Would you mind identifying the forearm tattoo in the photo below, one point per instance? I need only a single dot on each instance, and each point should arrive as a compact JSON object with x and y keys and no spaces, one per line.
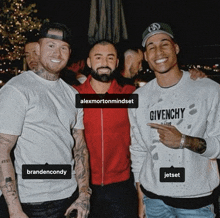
{"x":1,"y":172}
{"x":83,"y":203}
{"x":8,"y":188}
{"x":6,"y":161}
{"x":7,"y":175}
{"x":195,"y":144}
{"x":81,"y":159}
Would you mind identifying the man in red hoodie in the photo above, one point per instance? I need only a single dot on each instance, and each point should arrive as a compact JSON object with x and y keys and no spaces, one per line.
{"x":108,"y":139}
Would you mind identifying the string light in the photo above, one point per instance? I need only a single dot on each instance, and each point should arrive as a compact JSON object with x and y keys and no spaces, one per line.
{"x":17,"y":18}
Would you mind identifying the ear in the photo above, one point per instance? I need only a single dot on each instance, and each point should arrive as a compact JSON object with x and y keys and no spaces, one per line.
{"x":38,"y":49}
{"x":88,"y":62}
{"x":117,"y":62}
{"x":128,"y":59}
{"x":145,"y":56}
{"x":177,"y":48}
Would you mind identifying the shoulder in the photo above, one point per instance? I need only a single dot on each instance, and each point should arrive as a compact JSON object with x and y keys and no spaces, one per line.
{"x":148,"y":87}
{"x":209,"y":83}
{"x":204,"y":88}
{"x":121,"y":89}
{"x":25,"y":75}
{"x":21,"y":81}
{"x":69,"y":87}
{"x":128,"y":89}
{"x":202,"y":83}
{"x":209,"y":87}
{"x":16,"y":89}
{"x":80,"y":88}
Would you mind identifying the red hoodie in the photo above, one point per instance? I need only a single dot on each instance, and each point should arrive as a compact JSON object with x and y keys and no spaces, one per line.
{"x":107,"y":133}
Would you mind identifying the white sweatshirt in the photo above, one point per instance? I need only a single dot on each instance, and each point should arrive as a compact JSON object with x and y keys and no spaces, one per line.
{"x":193,"y":107}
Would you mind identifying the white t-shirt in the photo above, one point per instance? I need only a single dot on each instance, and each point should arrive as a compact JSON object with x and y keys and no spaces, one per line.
{"x":42,"y":113}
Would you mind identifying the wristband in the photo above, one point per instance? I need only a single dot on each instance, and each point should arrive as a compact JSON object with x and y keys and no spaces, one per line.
{"x":182,"y":142}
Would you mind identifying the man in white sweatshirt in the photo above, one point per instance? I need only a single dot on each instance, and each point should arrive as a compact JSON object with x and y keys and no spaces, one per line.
{"x":175,"y":137}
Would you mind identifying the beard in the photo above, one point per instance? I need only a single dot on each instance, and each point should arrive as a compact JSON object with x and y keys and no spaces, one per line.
{"x":103,"y":77}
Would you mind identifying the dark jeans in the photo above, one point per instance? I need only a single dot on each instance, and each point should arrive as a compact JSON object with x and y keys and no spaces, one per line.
{"x":3,"y":208}
{"x":118,"y":200}
{"x":48,"y":209}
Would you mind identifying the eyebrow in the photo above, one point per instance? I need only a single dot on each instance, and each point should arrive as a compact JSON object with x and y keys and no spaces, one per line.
{"x":161,"y":41}
{"x":51,"y":41}
{"x":98,"y":54}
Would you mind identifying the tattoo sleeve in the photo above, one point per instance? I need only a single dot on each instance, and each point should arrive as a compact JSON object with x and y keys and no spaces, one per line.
{"x":81,"y":157}
{"x":7,"y":174}
{"x":195,"y":144}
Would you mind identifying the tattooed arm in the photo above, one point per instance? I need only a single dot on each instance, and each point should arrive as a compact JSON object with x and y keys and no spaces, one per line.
{"x":195,"y":144}
{"x":7,"y":176}
{"x":81,"y":157}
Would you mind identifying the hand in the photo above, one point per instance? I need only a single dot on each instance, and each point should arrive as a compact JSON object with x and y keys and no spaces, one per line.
{"x":141,"y":206}
{"x":169,"y":135}
{"x":196,"y":73}
{"x":141,"y":209}
{"x":82,"y":205}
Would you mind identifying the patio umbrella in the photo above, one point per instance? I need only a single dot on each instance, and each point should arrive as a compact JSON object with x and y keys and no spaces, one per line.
{"x":107,"y":21}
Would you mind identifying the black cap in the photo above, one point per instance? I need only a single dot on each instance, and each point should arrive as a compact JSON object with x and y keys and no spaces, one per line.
{"x":156,"y":28}
{"x":66,"y":37}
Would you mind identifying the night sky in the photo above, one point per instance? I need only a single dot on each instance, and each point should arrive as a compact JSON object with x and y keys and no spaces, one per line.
{"x":195,"y":22}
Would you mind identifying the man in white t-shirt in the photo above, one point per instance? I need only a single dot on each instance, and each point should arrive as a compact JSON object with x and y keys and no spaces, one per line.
{"x":39,"y":118}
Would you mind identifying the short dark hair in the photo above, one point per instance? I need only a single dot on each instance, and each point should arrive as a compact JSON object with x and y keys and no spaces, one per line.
{"x":67,"y":35}
{"x":32,"y":36}
{"x":103,"y":42}
{"x":125,"y":46}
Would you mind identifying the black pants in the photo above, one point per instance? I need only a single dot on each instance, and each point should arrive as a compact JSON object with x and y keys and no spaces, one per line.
{"x":118,"y":200}
{"x":48,"y":209}
{"x":3,"y":208}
